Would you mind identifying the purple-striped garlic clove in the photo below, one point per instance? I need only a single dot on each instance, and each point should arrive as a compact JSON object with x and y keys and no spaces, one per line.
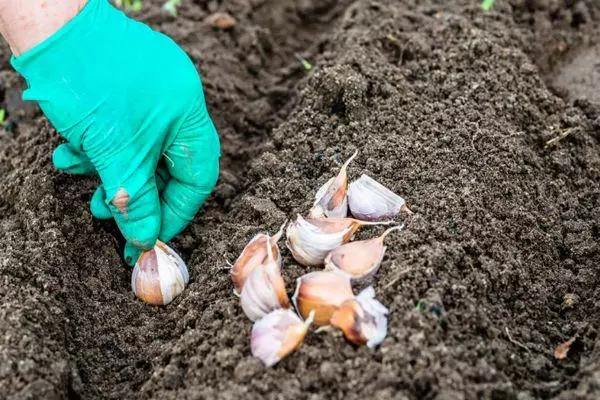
{"x":254,"y":255}
{"x":360,"y":259}
{"x":331,"y":199}
{"x":277,"y":334}
{"x":321,"y":292}
{"x":159,"y":275}
{"x":339,"y":224}
{"x":363,"y":319}
{"x":264,"y":289}
{"x":309,"y":244}
{"x":369,"y":200}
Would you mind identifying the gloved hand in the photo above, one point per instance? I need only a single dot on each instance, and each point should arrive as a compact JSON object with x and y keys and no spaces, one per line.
{"x":126,"y":98}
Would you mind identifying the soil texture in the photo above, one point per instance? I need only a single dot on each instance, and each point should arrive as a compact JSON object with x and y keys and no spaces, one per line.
{"x":488,"y":123}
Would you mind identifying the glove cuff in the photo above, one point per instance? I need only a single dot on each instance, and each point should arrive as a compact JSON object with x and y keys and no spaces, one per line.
{"x":34,"y":62}
{"x":57,"y":64}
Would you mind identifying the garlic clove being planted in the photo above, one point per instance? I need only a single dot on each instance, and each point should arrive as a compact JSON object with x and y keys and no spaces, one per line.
{"x":264,"y":289}
{"x":253,"y":255}
{"x":321,"y":292}
{"x":159,"y":275}
{"x":331,"y":199}
{"x":369,"y":200}
{"x":309,"y":244}
{"x":363,"y":319}
{"x":360,"y":259}
{"x":277,"y":334}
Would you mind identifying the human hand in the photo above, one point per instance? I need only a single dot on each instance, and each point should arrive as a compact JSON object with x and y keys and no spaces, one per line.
{"x":127,"y":98}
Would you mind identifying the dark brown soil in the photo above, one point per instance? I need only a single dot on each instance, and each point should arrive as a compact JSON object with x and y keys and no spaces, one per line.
{"x":449,"y":106}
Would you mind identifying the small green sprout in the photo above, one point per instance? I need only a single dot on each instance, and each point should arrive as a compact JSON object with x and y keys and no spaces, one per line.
{"x":130,"y":5}
{"x":2,"y":116}
{"x":171,"y":6}
{"x":305,"y":63}
{"x":486,"y":5}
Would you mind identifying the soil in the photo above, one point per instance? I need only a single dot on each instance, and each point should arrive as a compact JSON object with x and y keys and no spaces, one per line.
{"x":449,"y":106}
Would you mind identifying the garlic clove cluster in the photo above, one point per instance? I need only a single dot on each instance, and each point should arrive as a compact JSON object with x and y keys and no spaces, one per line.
{"x":331,"y":199}
{"x":363,"y":319}
{"x":360,"y":259}
{"x":369,"y":200}
{"x":277,"y":334}
{"x":321,"y":292}
{"x":264,"y":289}
{"x":159,"y":275}
{"x":254,"y":255}
{"x":309,"y":244}
{"x":321,"y":297}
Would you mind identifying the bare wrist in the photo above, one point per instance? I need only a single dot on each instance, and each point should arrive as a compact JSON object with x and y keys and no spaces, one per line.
{"x":26,"y":23}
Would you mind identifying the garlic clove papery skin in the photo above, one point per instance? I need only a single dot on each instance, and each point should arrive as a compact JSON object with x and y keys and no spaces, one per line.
{"x":253,"y":255}
{"x":363,"y":319}
{"x":277,"y":334}
{"x":264,"y":290}
{"x":369,"y":200}
{"x":360,"y":259}
{"x":309,"y":245}
{"x":159,"y":275}
{"x":331,"y":199}
{"x":321,"y":292}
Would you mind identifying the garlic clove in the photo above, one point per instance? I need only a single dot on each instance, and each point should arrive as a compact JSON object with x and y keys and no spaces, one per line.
{"x":159,"y":275}
{"x":363,"y":319}
{"x":277,"y":334}
{"x":253,"y":255}
{"x":309,"y":244}
{"x":360,"y":259}
{"x":331,"y":199}
{"x":369,"y":200}
{"x":321,"y":292}
{"x":338,"y":224}
{"x":264,"y":289}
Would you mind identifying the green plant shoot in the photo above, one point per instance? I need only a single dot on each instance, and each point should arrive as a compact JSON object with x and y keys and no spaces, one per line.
{"x":130,"y":5}
{"x":171,"y":6}
{"x":306,"y":64}
{"x":2,"y":116}
{"x":486,"y":5}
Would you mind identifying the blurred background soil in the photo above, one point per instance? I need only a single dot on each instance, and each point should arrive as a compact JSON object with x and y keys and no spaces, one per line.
{"x":449,"y":106}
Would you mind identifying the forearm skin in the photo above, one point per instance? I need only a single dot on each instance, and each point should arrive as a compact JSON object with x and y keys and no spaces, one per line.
{"x":26,"y":23}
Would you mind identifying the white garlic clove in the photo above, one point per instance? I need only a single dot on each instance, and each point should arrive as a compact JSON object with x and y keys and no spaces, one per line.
{"x":369,"y":200}
{"x":363,"y":319}
{"x":331,"y":199}
{"x":309,"y":244}
{"x":159,"y":275}
{"x":253,"y":255}
{"x":360,"y":259}
{"x":264,"y":289}
{"x":321,"y":292}
{"x":277,"y":334}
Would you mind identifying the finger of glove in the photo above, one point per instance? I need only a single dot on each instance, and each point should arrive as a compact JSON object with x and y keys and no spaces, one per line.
{"x":131,"y":254}
{"x":98,"y":204}
{"x":66,"y":158}
{"x":138,"y":217}
{"x":193,"y":164}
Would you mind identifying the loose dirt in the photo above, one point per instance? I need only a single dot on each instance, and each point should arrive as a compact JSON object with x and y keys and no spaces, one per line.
{"x":449,"y":106}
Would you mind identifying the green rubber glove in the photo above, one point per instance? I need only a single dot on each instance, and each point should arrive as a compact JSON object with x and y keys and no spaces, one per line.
{"x":127,"y":98}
